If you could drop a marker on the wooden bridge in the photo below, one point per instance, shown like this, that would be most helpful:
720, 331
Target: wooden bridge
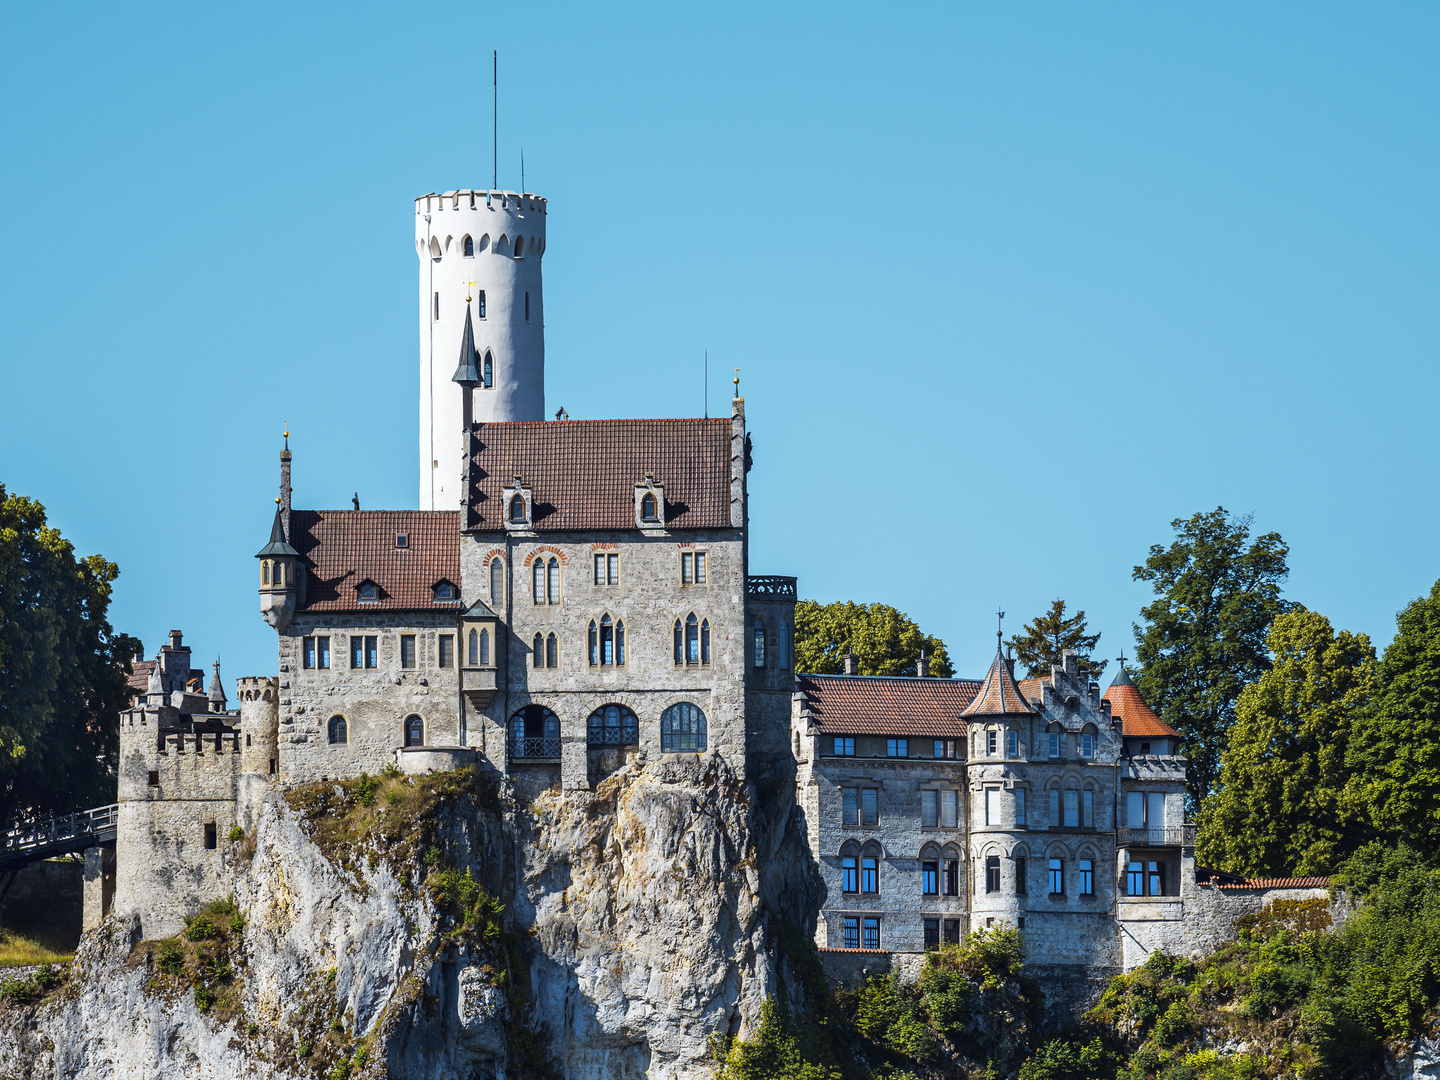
59, 836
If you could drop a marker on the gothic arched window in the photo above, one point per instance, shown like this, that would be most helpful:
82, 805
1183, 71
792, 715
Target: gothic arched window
692, 640
517, 510
552, 652
535, 733
484, 646
648, 507
607, 640
474, 653
488, 369
519, 247
759, 639
339, 730
537, 650
497, 583
554, 581
538, 590
469, 248
414, 731
705, 642
682, 729
612, 725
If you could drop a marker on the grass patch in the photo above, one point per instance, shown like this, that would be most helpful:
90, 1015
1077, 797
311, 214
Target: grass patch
17, 951
41, 983
201, 960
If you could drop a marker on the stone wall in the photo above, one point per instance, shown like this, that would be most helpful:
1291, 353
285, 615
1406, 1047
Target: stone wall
375, 702
1200, 923
164, 868
649, 597
44, 902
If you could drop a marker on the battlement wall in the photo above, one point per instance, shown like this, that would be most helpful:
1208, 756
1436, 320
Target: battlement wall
468, 199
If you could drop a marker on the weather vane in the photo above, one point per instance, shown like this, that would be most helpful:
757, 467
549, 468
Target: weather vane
468, 286
999, 624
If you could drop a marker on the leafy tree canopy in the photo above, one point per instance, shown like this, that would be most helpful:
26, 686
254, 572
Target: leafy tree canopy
1203, 637
885, 641
1043, 641
1397, 744
63, 671
1285, 804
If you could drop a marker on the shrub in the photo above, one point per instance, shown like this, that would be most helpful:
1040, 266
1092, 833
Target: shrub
170, 958
1067, 1059
365, 789
18, 991
390, 771
200, 928
1171, 1024
204, 998
236, 833
46, 977
773, 1054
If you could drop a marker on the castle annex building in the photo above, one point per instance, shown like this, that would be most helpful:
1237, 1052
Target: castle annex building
574, 595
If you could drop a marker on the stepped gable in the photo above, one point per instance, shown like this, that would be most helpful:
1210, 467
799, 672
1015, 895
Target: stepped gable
999, 694
887, 705
342, 548
582, 473
1138, 719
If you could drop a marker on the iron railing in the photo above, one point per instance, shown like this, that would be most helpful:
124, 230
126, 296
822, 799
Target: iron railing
771, 585
534, 749
627, 734
82, 825
1169, 836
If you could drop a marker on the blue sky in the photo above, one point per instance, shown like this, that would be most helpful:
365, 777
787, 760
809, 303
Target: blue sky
1010, 286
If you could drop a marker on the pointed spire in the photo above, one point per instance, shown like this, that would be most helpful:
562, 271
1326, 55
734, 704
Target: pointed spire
999, 694
467, 372
278, 544
155, 686
216, 693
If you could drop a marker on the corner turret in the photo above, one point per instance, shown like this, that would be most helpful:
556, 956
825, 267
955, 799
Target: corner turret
279, 563
216, 693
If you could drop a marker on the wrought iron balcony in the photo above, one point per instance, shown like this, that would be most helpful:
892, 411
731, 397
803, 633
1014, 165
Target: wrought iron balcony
770, 585
627, 734
1169, 836
534, 749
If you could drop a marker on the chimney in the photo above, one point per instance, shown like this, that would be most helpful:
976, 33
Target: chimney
1010, 663
922, 666
285, 486
175, 639
852, 666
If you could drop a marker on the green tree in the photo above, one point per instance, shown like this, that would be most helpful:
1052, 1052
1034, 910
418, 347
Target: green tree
1043, 641
63, 671
1203, 637
1397, 744
772, 1054
1285, 803
885, 641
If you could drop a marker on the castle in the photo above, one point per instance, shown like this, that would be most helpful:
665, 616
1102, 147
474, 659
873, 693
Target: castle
577, 594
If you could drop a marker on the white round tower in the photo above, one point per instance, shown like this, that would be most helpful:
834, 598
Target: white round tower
486, 245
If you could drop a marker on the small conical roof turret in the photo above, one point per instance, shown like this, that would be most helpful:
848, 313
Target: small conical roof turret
155, 687
467, 372
278, 544
216, 693
999, 694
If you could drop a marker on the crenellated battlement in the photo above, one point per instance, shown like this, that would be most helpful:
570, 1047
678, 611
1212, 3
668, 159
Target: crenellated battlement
250, 688
516, 201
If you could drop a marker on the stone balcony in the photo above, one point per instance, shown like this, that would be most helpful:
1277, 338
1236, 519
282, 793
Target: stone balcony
1153, 767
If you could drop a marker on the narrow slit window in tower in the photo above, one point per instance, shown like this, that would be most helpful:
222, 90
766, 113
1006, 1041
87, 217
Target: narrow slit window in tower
437, 307
527, 307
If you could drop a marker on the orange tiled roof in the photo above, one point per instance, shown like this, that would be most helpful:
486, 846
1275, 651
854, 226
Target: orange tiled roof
342, 548
1137, 718
582, 473
999, 694
1281, 883
888, 705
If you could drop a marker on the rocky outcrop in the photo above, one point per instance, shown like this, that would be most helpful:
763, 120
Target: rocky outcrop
374, 941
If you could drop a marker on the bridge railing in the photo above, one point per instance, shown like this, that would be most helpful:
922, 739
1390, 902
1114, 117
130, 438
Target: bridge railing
34, 834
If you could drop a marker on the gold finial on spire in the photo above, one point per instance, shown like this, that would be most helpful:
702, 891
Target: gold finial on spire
737, 382
287, 438
277, 500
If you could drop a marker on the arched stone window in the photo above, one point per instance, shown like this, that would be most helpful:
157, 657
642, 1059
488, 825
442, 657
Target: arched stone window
612, 725
930, 870
264, 571
553, 573
537, 651
552, 652
519, 247
517, 510
487, 370
497, 583
484, 645
1087, 741
870, 868
339, 731
537, 582
468, 247
474, 648
682, 729
648, 507
850, 867
414, 731
758, 636
535, 733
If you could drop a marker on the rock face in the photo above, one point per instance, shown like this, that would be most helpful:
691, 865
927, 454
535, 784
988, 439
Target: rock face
633, 931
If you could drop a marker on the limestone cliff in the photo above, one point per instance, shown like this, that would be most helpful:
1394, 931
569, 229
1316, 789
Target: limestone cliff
446, 927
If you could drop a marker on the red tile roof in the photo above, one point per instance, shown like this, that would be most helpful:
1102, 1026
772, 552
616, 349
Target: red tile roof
888, 705
582, 473
999, 694
140, 674
1281, 883
1137, 718
342, 548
